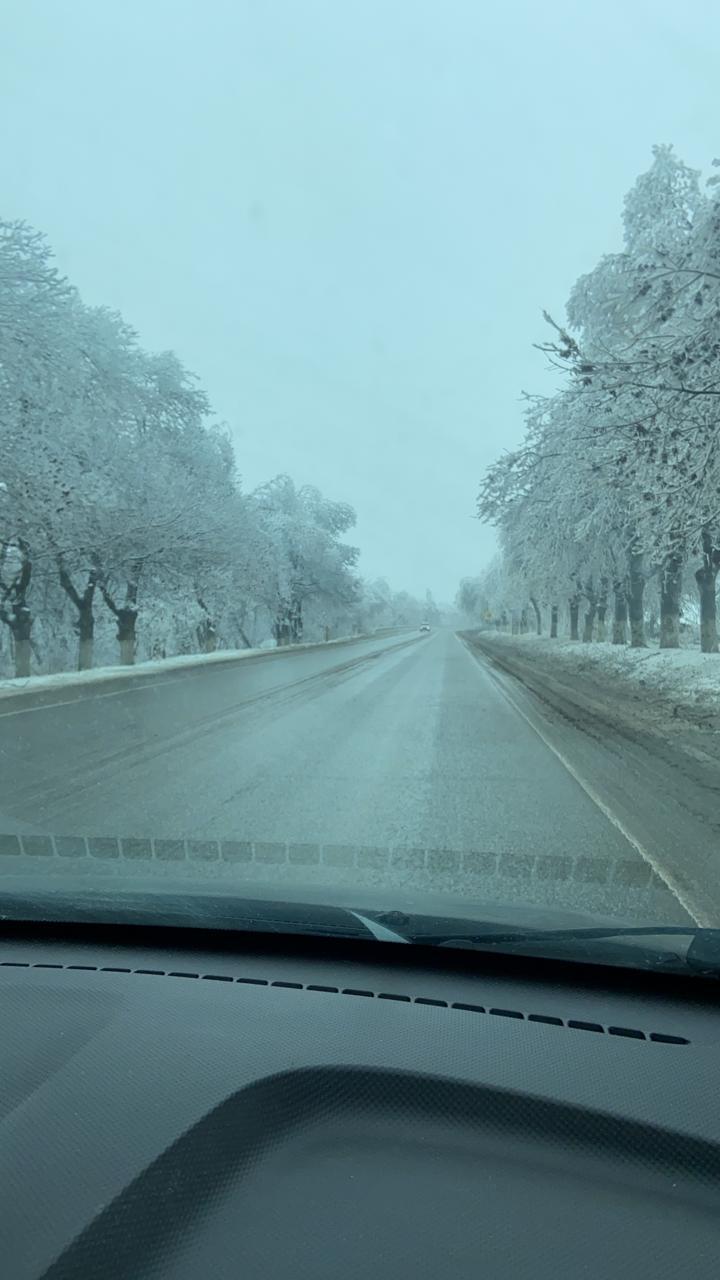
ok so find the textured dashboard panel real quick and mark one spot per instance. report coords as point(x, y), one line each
point(254, 1121)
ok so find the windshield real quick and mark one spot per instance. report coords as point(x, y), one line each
point(360, 461)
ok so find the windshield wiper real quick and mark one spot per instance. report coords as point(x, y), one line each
point(234, 913)
point(701, 956)
point(502, 935)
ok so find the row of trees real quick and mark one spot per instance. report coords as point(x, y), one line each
point(120, 505)
point(617, 481)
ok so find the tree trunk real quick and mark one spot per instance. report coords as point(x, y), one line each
point(706, 578)
point(85, 655)
point(206, 630)
point(125, 615)
point(126, 620)
point(589, 622)
point(574, 604)
point(206, 636)
point(281, 626)
point(602, 610)
point(20, 628)
point(706, 581)
point(590, 595)
point(553, 622)
point(23, 651)
point(15, 611)
point(86, 633)
point(636, 575)
point(296, 622)
point(85, 625)
point(538, 616)
point(670, 589)
point(620, 613)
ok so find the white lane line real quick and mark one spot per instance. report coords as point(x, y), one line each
point(696, 914)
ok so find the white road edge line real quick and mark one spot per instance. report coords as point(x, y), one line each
point(666, 877)
point(98, 697)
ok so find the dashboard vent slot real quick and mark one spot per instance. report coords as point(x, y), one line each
point(546, 1019)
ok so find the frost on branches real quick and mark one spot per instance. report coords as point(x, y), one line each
point(609, 512)
point(123, 527)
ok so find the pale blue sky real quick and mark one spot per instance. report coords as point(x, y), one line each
point(347, 215)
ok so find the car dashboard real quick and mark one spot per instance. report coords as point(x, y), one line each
point(178, 1106)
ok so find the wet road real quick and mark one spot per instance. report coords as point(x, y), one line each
point(397, 761)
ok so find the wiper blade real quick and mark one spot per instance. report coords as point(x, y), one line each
point(571, 935)
point(438, 930)
point(108, 904)
point(702, 955)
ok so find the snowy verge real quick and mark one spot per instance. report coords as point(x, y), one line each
point(686, 677)
point(668, 700)
point(70, 680)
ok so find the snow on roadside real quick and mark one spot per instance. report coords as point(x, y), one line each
point(684, 675)
point(14, 687)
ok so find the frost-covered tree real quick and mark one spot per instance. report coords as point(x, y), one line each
point(306, 559)
point(120, 506)
point(618, 479)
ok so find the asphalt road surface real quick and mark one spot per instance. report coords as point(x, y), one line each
point(399, 762)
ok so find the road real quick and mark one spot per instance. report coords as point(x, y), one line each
point(398, 761)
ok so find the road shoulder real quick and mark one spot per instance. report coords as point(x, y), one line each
point(49, 690)
point(660, 783)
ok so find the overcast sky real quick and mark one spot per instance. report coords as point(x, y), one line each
point(346, 215)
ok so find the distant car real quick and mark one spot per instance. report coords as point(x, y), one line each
point(425, 626)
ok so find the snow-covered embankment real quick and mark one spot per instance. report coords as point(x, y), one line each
point(662, 690)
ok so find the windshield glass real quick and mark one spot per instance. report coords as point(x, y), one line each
point(360, 460)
